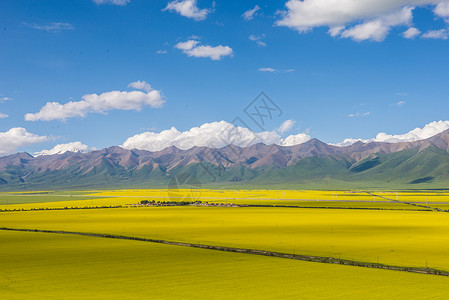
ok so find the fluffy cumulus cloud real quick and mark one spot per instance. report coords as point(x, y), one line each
point(293, 140)
point(140, 85)
point(378, 28)
point(63, 148)
point(188, 45)
point(356, 19)
point(93, 103)
point(215, 135)
point(411, 33)
point(442, 10)
point(286, 126)
point(417, 134)
point(189, 9)
point(114, 2)
point(441, 34)
point(193, 48)
point(250, 13)
point(17, 137)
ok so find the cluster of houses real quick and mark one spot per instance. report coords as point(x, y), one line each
point(182, 203)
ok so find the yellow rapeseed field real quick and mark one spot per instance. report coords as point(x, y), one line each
point(352, 225)
point(303, 198)
point(405, 238)
point(50, 266)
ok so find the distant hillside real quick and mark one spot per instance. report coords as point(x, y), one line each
point(314, 164)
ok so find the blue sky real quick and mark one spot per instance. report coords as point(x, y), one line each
point(355, 84)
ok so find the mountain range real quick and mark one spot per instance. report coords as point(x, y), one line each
point(407, 165)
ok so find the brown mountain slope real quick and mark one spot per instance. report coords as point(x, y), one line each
point(252, 157)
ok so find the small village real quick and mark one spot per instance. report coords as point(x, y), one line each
point(183, 203)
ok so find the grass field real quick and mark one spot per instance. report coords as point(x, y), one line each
point(39, 265)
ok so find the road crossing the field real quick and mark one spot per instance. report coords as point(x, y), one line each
point(408, 203)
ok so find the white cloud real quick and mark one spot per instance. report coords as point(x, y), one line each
point(272, 70)
point(215, 135)
point(17, 137)
point(191, 48)
point(293, 140)
point(411, 33)
point(254, 37)
point(3, 99)
point(188, 45)
point(400, 103)
point(63, 148)
point(161, 51)
point(267, 69)
point(336, 30)
point(364, 19)
point(114, 2)
point(251, 13)
point(93, 103)
point(378, 28)
point(189, 9)
point(53, 27)
point(286, 126)
point(442, 34)
point(140, 85)
point(358, 114)
point(373, 30)
point(349, 142)
point(417, 134)
point(442, 10)
point(258, 39)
